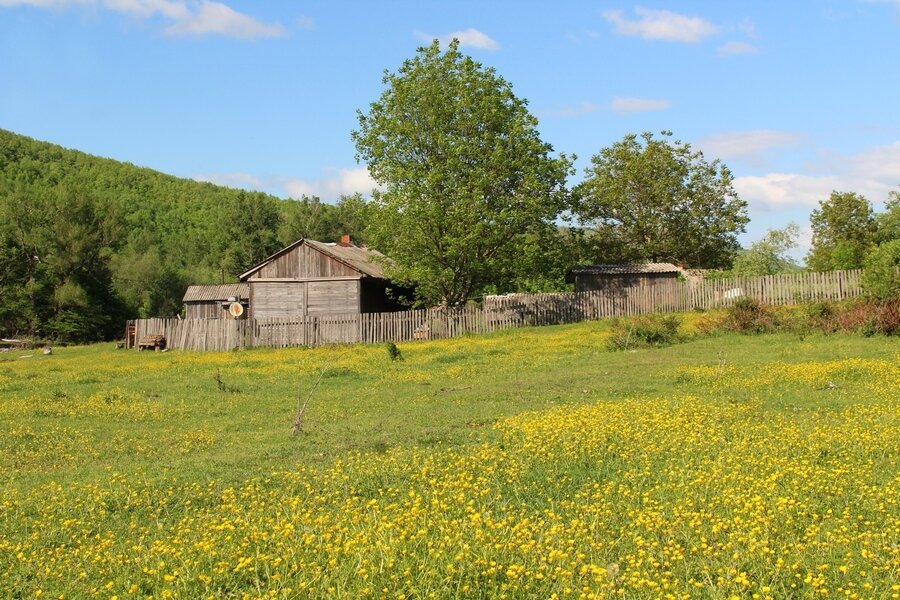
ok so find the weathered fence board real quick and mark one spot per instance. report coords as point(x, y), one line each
point(496, 312)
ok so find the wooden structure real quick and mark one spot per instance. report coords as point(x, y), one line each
point(497, 312)
point(213, 301)
point(616, 277)
point(154, 341)
point(310, 278)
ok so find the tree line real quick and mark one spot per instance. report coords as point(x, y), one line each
point(88, 242)
point(470, 201)
point(471, 198)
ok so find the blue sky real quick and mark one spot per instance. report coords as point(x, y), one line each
point(797, 98)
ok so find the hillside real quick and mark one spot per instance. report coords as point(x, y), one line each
point(86, 242)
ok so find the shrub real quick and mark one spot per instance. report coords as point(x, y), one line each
point(881, 272)
point(821, 316)
point(887, 317)
point(748, 315)
point(643, 332)
point(393, 351)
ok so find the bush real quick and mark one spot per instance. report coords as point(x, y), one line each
point(393, 351)
point(881, 272)
point(748, 315)
point(821, 316)
point(887, 317)
point(644, 332)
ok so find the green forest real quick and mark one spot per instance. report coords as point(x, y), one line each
point(87, 242)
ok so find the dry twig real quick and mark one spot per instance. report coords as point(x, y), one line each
point(301, 409)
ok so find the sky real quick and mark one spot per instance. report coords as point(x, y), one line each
point(798, 98)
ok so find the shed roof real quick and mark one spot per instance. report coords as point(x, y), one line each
point(625, 269)
point(366, 261)
point(211, 293)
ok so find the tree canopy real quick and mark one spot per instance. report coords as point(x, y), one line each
point(655, 199)
point(844, 230)
point(467, 181)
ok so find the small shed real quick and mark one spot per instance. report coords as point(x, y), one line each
point(318, 278)
point(617, 277)
point(213, 301)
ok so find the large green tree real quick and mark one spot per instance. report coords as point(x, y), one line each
point(654, 199)
point(844, 230)
point(466, 179)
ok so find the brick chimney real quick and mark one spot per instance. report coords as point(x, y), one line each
point(345, 241)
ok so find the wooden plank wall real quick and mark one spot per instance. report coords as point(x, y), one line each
point(497, 312)
point(304, 262)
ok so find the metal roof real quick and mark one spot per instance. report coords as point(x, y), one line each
point(625, 269)
point(221, 292)
point(365, 260)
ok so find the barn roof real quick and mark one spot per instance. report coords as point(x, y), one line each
point(211, 293)
point(360, 259)
point(625, 269)
point(364, 260)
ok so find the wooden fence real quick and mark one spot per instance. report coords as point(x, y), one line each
point(495, 313)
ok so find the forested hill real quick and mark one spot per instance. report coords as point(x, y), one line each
point(86, 242)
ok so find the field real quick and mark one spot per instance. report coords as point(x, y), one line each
point(528, 463)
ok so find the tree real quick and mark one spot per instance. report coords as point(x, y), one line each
point(465, 175)
point(888, 222)
point(250, 231)
point(659, 200)
point(881, 272)
point(844, 230)
point(768, 256)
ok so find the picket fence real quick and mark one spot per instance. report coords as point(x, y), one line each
point(494, 313)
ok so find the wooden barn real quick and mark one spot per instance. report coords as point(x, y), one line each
point(617, 277)
point(213, 301)
point(305, 278)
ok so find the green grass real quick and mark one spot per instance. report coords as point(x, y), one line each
point(447, 392)
point(111, 436)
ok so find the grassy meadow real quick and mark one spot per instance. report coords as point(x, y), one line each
point(527, 463)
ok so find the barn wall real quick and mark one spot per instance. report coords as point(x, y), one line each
point(617, 281)
point(304, 262)
point(296, 298)
point(205, 310)
point(277, 299)
point(333, 297)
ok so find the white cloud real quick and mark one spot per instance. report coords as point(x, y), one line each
point(786, 189)
point(468, 38)
point(872, 173)
point(630, 105)
point(145, 9)
point(747, 145)
point(187, 17)
point(731, 48)
point(305, 22)
point(879, 163)
point(337, 182)
point(661, 25)
point(217, 18)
